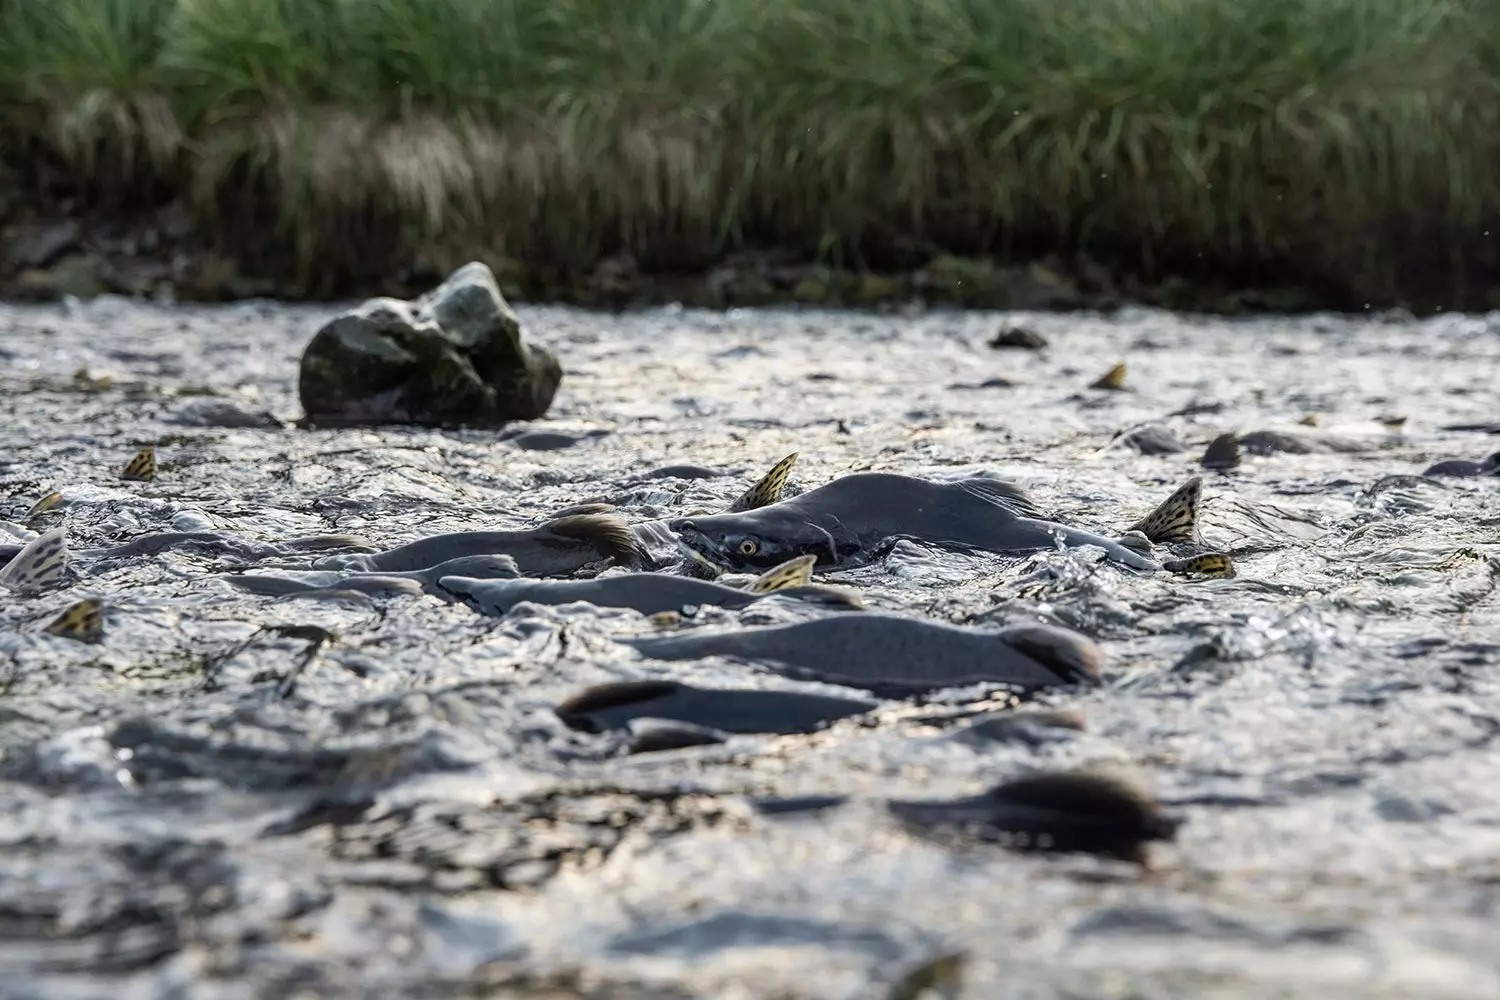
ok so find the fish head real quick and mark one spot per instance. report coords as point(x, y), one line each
point(738, 542)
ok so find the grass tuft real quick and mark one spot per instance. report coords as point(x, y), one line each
point(1349, 143)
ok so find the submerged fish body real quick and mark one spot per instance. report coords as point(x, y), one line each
point(583, 536)
point(1061, 811)
point(1463, 467)
point(647, 593)
point(559, 547)
point(481, 567)
point(886, 653)
point(858, 517)
point(731, 710)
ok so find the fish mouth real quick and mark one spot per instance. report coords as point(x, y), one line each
point(699, 547)
point(707, 558)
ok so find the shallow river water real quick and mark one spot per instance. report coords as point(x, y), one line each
point(199, 807)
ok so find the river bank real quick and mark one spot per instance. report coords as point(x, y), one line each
point(1297, 154)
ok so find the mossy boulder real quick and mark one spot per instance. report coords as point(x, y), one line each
point(455, 355)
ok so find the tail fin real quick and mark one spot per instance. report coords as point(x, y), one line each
point(1215, 564)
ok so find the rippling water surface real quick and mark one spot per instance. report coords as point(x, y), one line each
point(199, 807)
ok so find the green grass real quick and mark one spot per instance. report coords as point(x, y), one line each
point(1349, 143)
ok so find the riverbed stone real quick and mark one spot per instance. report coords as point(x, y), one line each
point(453, 356)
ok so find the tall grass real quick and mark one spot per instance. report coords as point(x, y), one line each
point(1352, 143)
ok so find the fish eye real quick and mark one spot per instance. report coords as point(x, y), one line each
point(748, 547)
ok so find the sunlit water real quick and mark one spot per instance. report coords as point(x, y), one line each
point(188, 807)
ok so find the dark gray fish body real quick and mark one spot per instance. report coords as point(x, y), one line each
point(373, 584)
point(1463, 467)
point(560, 547)
point(857, 518)
point(476, 567)
point(730, 710)
point(890, 653)
point(1057, 811)
point(217, 542)
point(648, 593)
point(1152, 439)
point(681, 472)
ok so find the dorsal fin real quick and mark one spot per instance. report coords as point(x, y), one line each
point(1223, 452)
point(792, 573)
point(768, 490)
point(1176, 519)
point(45, 503)
point(142, 467)
point(81, 622)
point(41, 564)
point(608, 533)
point(1006, 494)
point(1114, 379)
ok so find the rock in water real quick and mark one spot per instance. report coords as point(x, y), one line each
point(452, 356)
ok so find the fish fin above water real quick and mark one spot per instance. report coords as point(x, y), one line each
point(1214, 564)
point(1114, 379)
point(141, 468)
point(768, 490)
point(1176, 519)
point(942, 975)
point(792, 573)
point(81, 622)
point(608, 533)
point(1006, 494)
point(1223, 452)
point(41, 564)
point(44, 504)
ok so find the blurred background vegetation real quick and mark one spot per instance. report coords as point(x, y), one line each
point(1345, 147)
